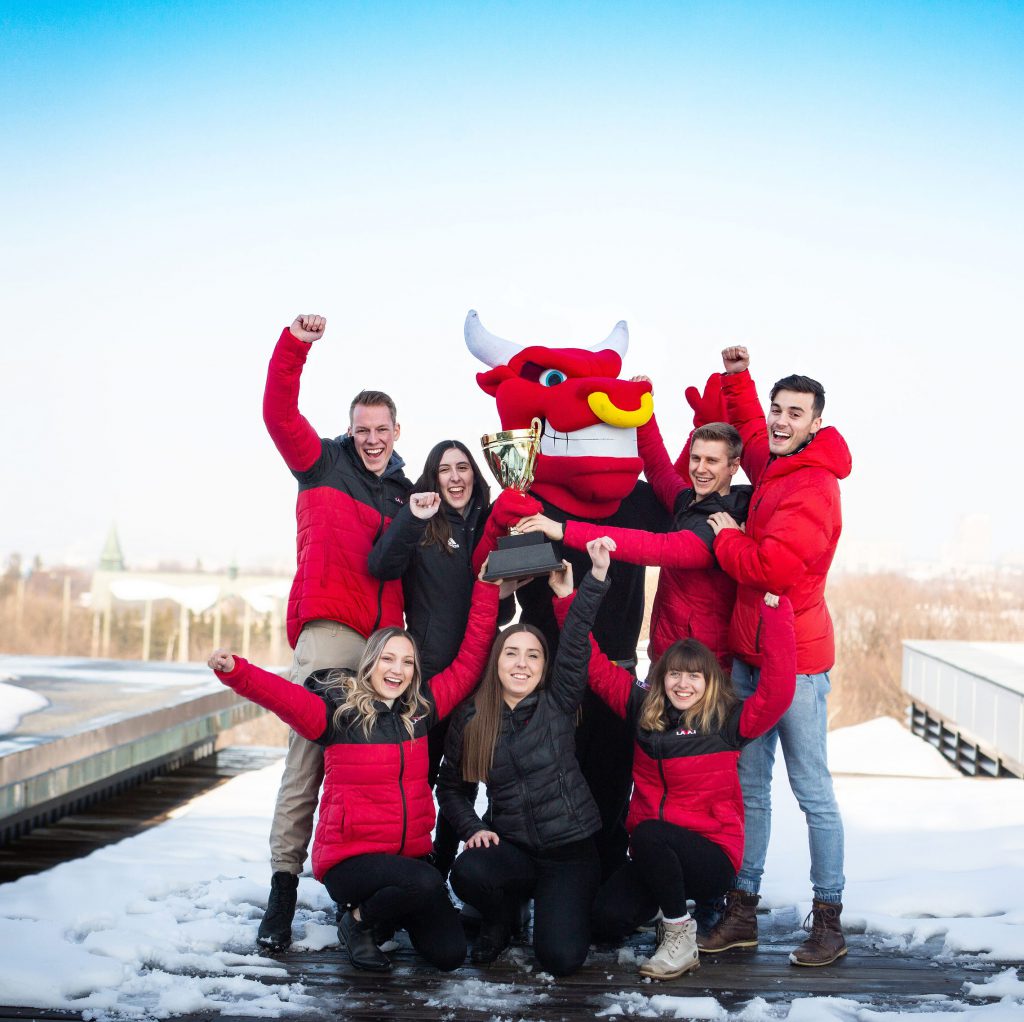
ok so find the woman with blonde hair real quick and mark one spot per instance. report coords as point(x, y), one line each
point(685, 817)
point(373, 837)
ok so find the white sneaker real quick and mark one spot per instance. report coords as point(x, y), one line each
point(677, 953)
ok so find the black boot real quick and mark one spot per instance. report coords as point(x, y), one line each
point(357, 937)
point(495, 935)
point(275, 932)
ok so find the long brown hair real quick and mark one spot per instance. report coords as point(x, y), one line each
point(438, 530)
point(710, 712)
point(481, 734)
point(361, 697)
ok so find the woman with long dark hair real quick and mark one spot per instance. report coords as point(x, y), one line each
point(429, 545)
point(373, 840)
point(517, 736)
point(685, 816)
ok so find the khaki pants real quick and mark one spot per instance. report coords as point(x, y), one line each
point(322, 644)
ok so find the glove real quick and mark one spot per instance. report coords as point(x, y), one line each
point(512, 505)
point(709, 406)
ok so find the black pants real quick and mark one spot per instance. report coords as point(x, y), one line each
point(669, 864)
point(408, 893)
point(562, 882)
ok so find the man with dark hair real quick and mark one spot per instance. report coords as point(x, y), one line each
point(791, 534)
point(349, 490)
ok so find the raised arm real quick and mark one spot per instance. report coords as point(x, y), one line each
point(777, 682)
point(664, 479)
point(510, 506)
point(303, 711)
point(393, 552)
point(459, 678)
point(744, 411)
point(292, 434)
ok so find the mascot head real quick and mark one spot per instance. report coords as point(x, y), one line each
point(588, 457)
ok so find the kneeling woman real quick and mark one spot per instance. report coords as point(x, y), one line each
point(517, 736)
point(686, 814)
point(376, 810)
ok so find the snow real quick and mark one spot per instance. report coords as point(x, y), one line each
point(164, 923)
point(15, 703)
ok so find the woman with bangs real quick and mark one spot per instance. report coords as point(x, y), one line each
point(685, 816)
point(373, 837)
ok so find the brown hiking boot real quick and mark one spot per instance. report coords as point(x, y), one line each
point(826, 942)
point(737, 927)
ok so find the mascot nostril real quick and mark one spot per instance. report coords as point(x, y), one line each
point(588, 470)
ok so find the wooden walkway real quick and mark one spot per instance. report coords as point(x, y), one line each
point(511, 989)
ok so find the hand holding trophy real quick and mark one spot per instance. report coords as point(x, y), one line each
point(511, 456)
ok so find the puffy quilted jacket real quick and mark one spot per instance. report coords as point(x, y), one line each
point(537, 797)
point(342, 509)
point(375, 796)
point(694, 598)
point(793, 525)
point(689, 778)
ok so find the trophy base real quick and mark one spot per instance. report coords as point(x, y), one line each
point(522, 557)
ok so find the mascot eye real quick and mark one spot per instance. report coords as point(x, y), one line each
point(551, 378)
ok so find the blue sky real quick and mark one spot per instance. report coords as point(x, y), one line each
point(836, 185)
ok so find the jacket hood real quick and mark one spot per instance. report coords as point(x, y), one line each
point(826, 449)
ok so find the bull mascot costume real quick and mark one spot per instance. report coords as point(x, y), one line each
point(587, 470)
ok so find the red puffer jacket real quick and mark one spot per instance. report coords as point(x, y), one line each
point(689, 778)
point(375, 796)
point(342, 509)
point(694, 599)
point(793, 526)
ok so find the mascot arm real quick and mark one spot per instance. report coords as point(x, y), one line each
point(709, 406)
point(664, 479)
point(681, 549)
point(510, 506)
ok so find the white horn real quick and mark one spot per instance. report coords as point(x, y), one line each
point(617, 340)
point(492, 351)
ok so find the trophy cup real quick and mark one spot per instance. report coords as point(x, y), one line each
point(511, 456)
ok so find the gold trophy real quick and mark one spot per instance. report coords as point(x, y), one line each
point(512, 455)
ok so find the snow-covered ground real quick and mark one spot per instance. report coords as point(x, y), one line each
point(164, 922)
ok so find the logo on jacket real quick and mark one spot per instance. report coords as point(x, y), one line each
point(452, 543)
point(685, 731)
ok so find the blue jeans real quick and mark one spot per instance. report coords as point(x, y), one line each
point(801, 731)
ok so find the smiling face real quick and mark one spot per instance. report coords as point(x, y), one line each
point(791, 421)
point(374, 433)
point(455, 479)
point(393, 672)
point(685, 689)
point(520, 666)
point(711, 469)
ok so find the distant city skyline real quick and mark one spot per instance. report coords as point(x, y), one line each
point(836, 186)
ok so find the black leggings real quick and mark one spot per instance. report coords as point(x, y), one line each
point(562, 882)
point(408, 893)
point(669, 864)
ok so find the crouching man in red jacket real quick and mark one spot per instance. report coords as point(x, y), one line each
point(792, 529)
point(350, 488)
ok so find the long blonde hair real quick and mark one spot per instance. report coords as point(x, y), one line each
point(707, 715)
point(361, 698)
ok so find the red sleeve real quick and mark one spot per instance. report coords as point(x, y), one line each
point(610, 682)
point(664, 479)
point(293, 436)
point(682, 464)
point(510, 506)
point(777, 681)
point(459, 678)
point(304, 712)
point(800, 530)
point(681, 549)
point(747, 415)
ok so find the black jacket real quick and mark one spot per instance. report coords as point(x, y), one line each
point(537, 796)
point(437, 583)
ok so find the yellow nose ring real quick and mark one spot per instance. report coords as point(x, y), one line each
point(601, 405)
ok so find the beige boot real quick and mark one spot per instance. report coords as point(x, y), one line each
point(676, 954)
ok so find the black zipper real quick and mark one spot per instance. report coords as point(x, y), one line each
point(523, 787)
point(664, 784)
point(757, 635)
point(379, 533)
point(401, 787)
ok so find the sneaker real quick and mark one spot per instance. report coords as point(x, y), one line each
point(826, 942)
point(275, 932)
point(356, 937)
point(737, 927)
point(494, 937)
point(676, 954)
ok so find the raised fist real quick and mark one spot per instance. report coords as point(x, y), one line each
point(735, 359)
point(425, 505)
point(221, 660)
point(308, 328)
